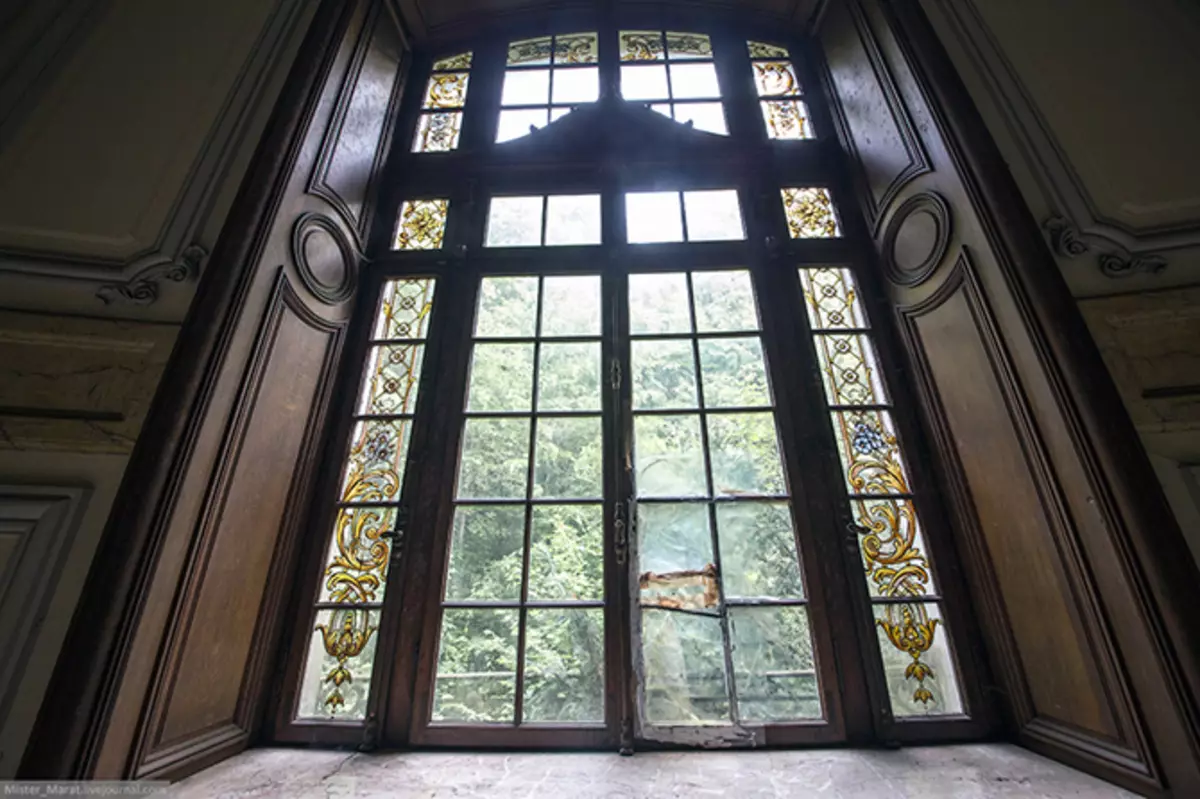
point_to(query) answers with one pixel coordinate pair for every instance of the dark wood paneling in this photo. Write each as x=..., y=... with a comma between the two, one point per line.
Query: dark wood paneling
x=1078, y=572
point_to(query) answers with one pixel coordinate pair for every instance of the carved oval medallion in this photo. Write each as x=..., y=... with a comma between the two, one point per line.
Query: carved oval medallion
x=324, y=258
x=916, y=239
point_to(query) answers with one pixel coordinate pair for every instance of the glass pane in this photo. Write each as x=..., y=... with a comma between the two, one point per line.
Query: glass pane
x=917, y=663
x=644, y=82
x=573, y=219
x=713, y=215
x=460, y=61
x=501, y=378
x=694, y=82
x=684, y=668
x=568, y=458
x=515, y=124
x=422, y=224
x=437, y=132
x=575, y=48
x=675, y=558
x=773, y=664
x=375, y=466
x=774, y=78
x=745, y=454
x=576, y=85
x=662, y=108
x=663, y=374
x=895, y=557
x=810, y=214
x=708, y=117
x=526, y=87
x=688, y=45
x=391, y=381
x=831, y=298
x=724, y=301
x=758, y=551
x=564, y=665
x=446, y=91
x=733, y=373
x=763, y=50
x=507, y=306
x=849, y=369
x=566, y=552
x=571, y=305
x=668, y=456
x=786, y=119
x=558, y=113
x=495, y=459
x=357, y=560
x=641, y=45
x=477, y=662
x=337, y=669
x=404, y=308
x=652, y=216
x=486, y=552
x=569, y=377
x=514, y=222
x=529, y=51
x=869, y=451
x=658, y=303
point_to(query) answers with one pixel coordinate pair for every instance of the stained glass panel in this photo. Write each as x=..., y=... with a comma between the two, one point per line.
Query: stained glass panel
x=357, y=560
x=786, y=119
x=917, y=663
x=530, y=51
x=460, y=61
x=831, y=299
x=866, y=442
x=764, y=50
x=641, y=46
x=422, y=224
x=810, y=213
x=575, y=48
x=393, y=375
x=337, y=670
x=688, y=45
x=849, y=369
x=447, y=90
x=404, y=309
x=895, y=558
x=375, y=465
x=438, y=132
x=775, y=79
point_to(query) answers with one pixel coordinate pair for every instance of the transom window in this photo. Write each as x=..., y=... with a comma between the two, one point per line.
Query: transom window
x=618, y=481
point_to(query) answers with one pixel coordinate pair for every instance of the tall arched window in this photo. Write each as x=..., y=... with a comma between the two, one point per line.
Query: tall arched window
x=621, y=461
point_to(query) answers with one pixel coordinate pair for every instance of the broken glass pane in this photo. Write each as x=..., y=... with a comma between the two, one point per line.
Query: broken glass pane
x=683, y=663
x=773, y=665
x=675, y=556
x=564, y=665
x=476, y=683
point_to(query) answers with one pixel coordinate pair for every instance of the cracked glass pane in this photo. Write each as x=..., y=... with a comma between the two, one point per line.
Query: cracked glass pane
x=684, y=668
x=773, y=664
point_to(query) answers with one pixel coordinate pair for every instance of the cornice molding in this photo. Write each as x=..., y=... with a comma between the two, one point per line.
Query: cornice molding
x=1068, y=241
x=142, y=288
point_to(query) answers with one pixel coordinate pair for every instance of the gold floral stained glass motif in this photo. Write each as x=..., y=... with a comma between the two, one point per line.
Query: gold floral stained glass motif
x=393, y=375
x=404, y=309
x=460, y=61
x=870, y=454
x=894, y=553
x=810, y=213
x=764, y=50
x=438, y=133
x=447, y=90
x=641, y=46
x=576, y=48
x=688, y=45
x=337, y=670
x=775, y=79
x=849, y=370
x=831, y=299
x=356, y=564
x=375, y=466
x=786, y=119
x=530, y=51
x=422, y=224
x=917, y=662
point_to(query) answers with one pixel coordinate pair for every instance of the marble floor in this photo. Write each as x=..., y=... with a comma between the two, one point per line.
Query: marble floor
x=978, y=771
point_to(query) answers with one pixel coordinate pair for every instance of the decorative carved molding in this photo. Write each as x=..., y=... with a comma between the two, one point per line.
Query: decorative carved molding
x=898, y=269
x=1067, y=241
x=312, y=225
x=142, y=288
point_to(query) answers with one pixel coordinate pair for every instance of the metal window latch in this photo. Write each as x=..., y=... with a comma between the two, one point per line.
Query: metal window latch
x=853, y=531
x=614, y=374
x=395, y=536
x=620, y=535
